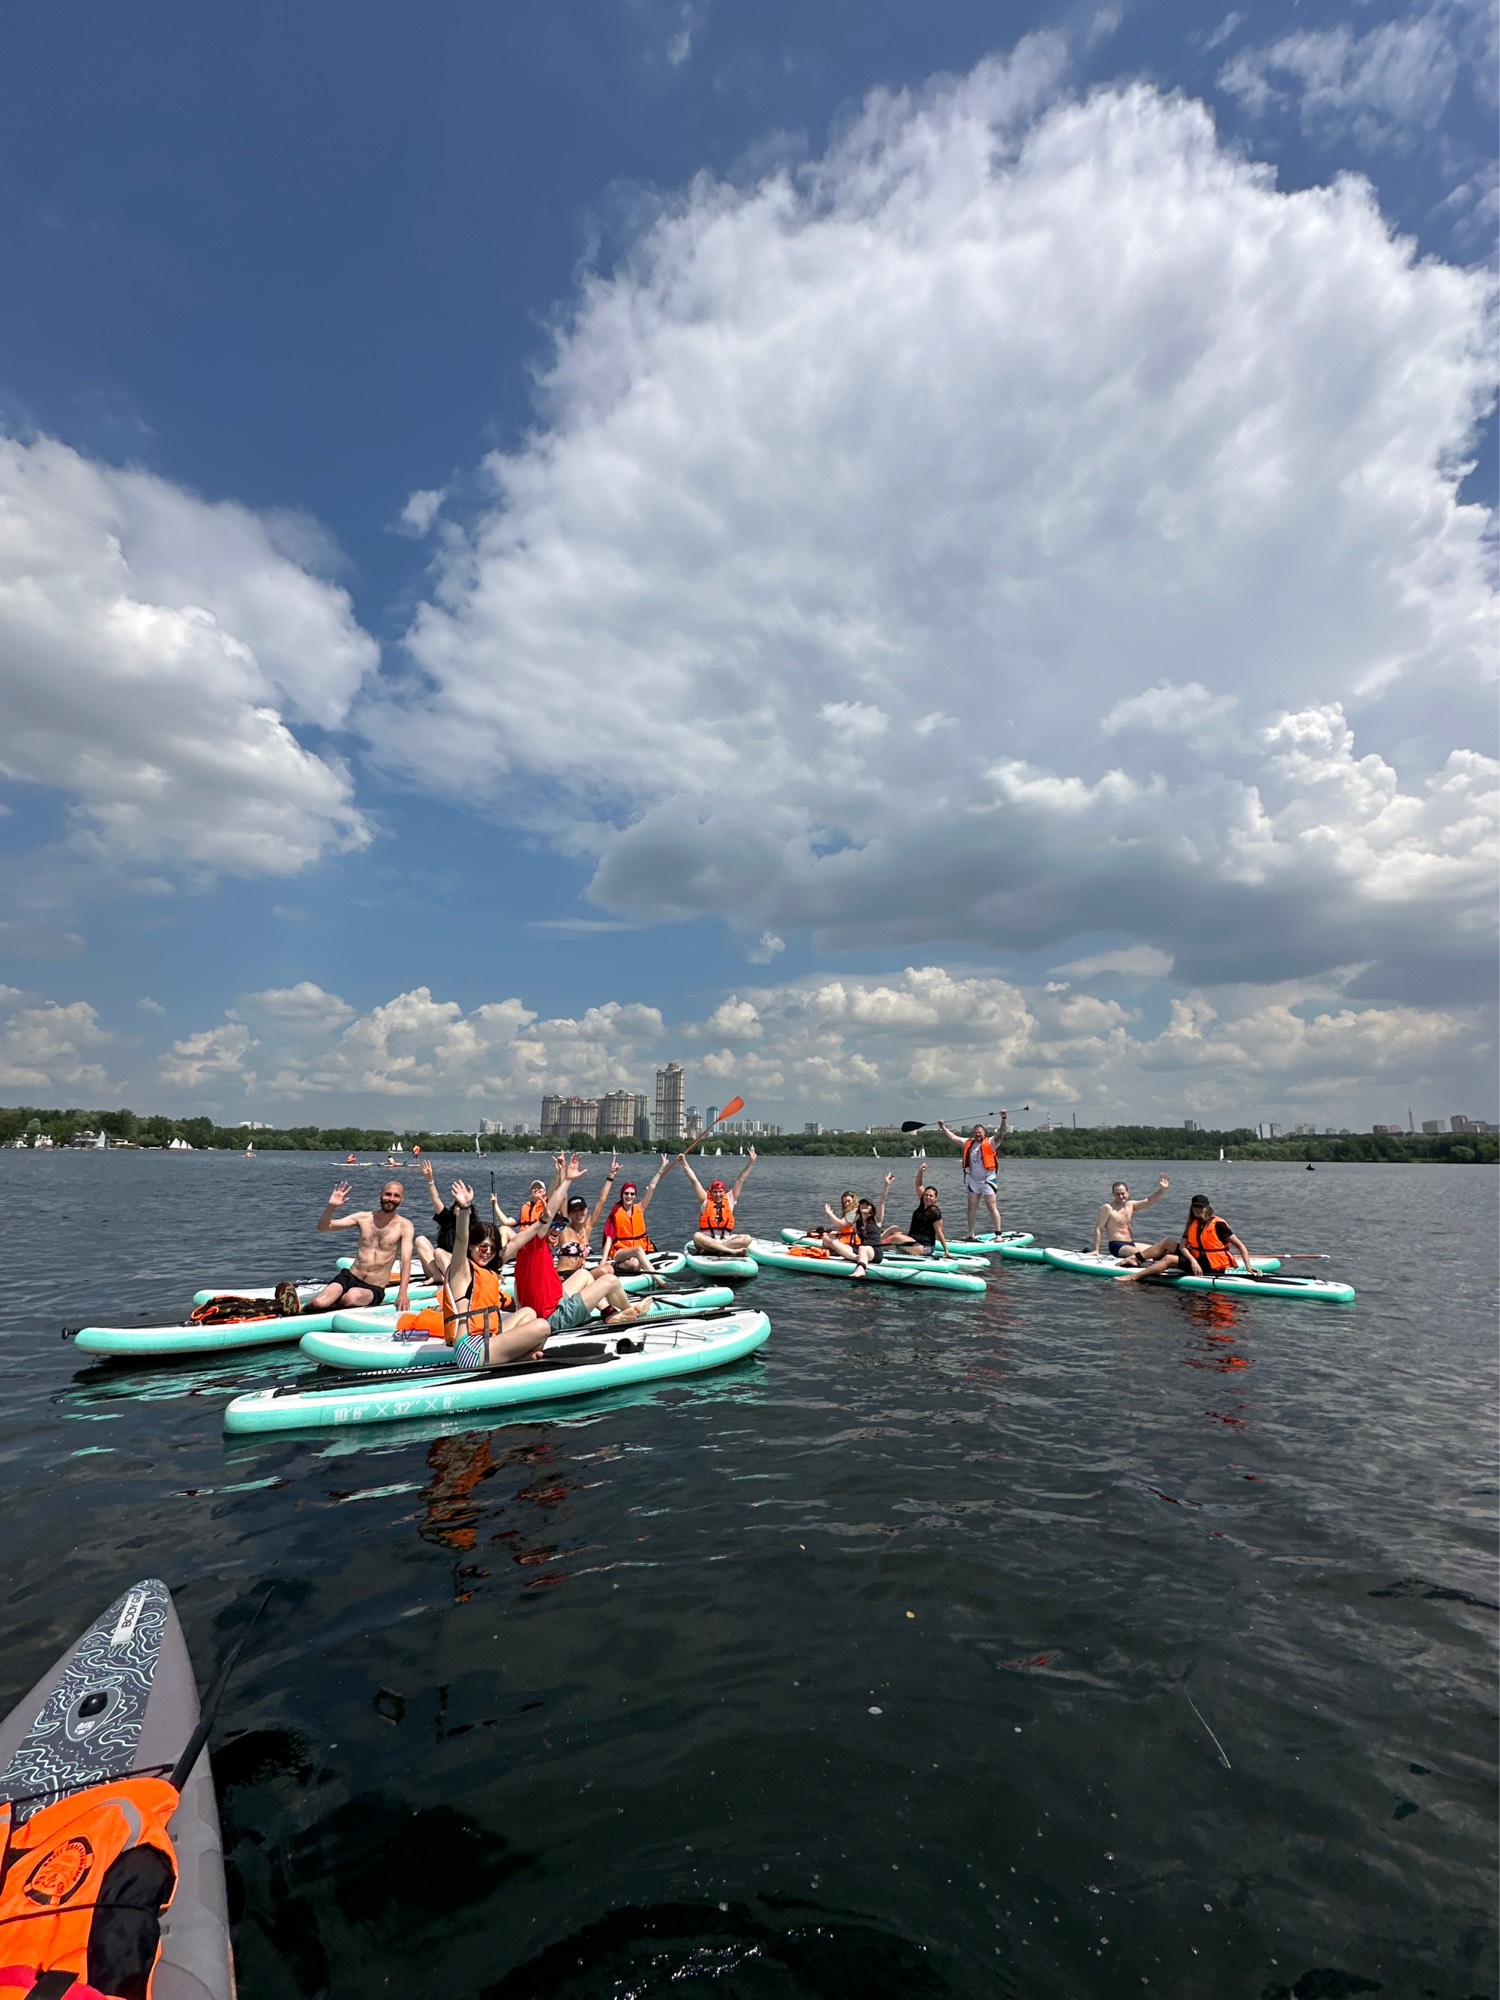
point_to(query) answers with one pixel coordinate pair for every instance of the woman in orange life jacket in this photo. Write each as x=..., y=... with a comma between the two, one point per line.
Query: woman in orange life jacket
x=864, y=1244
x=715, y=1235
x=843, y=1223
x=626, y=1244
x=475, y=1323
x=1207, y=1248
x=981, y=1165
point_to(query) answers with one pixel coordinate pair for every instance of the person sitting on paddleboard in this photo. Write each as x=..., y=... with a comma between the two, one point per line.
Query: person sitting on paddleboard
x=1116, y=1221
x=535, y=1204
x=865, y=1244
x=715, y=1235
x=476, y=1324
x=385, y=1238
x=434, y=1251
x=926, y=1231
x=1207, y=1248
x=981, y=1160
x=573, y=1231
x=626, y=1244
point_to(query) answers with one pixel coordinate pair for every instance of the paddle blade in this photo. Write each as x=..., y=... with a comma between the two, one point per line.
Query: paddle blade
x=913, y=1124
x=731, y=1110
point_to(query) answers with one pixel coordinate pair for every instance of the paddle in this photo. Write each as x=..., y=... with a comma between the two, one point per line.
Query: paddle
x=731, y=1110
x=183, y=1767
x=921, y=1124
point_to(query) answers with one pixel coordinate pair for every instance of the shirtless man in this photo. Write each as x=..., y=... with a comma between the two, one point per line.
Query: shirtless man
x=1116, y=1222
x=981, y=1164
x=716, y=1235
x=926, y=1232
x=385, y=1238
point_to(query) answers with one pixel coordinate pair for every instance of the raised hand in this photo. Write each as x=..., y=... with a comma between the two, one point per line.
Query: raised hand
x=463, y=1194
x=1165, y=1183
x=750, y=1155
x=339, y=1196
x=427, y=1173
x=575, y=1169
x=890, y=1180
x=614, y=1165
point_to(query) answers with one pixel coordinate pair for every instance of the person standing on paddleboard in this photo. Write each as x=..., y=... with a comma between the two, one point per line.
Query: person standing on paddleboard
x=1207, y=1248
x=715, y=1235
x=386, y=1237
x=1116, y=1221
x=981, y=1159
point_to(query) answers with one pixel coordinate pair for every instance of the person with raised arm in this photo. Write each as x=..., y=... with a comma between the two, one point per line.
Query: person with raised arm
x=981, y=1159
x=925, y=1232
x=864, y=1243
x=1115, y=1224
x=626, y=1243
x=573, y=1230
x=1207, y=1248
x=475, y=1323
x=716, y=1235
x=386, y=1237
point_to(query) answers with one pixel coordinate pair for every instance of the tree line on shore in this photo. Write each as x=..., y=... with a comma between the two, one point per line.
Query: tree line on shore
x=1097, y=1142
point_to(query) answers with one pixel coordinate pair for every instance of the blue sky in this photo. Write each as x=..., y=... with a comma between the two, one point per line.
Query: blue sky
x=887, y=553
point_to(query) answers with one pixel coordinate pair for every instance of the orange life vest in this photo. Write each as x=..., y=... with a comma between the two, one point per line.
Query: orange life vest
x=846, y=1227
x=628, y=1228
x=986, y=1153
x=1208, y=1249
x=480, y=1315
x=717, y=1216
x=532, y=1211
x=65, y=1877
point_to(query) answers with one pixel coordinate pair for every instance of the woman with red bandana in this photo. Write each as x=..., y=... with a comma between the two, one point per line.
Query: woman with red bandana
x=626, y=1243
x=715, y=1235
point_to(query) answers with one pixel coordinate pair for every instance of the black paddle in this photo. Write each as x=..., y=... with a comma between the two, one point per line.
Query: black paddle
x=182, y=1769
x=921, y=1124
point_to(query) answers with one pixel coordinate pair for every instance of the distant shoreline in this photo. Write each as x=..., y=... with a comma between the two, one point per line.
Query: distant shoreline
x=1166, y=1144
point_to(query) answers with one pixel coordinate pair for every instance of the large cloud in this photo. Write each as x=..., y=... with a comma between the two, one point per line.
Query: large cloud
x=1021, y=523
x=155, y=650
x=925, y=1039
x=49, y=1049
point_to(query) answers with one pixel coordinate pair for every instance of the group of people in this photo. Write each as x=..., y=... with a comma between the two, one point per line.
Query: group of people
x=1206, y=1247
x=556, y=1287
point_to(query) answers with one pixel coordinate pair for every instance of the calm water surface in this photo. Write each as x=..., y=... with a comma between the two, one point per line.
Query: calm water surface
x=1079, y=1641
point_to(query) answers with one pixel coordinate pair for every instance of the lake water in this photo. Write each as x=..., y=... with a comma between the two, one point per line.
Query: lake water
x=1075, y=1641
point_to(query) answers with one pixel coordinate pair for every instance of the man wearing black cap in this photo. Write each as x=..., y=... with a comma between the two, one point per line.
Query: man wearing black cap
x=715, y=1235
x=572, y=1233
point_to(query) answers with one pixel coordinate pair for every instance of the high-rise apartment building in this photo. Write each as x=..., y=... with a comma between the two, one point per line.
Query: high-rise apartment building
x=570, y=1117
x=623, y=1115
x=671, y=1102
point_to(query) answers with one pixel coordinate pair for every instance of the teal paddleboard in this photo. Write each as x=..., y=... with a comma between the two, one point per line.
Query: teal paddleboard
x=584, y=1367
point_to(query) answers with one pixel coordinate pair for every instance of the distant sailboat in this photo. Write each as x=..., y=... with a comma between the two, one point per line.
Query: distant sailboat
x=1221, y=1156
x=250, y=1151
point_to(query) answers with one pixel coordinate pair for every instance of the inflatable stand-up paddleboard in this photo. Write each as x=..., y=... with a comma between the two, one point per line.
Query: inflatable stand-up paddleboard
x=583, y=1367
x=184, y=1340
x=352, y=1344
x=900, y=1254
x=1266, y=1281
x=710, y=1264
x=115, y=1713
x=916, y=1271
x=1006, y=1244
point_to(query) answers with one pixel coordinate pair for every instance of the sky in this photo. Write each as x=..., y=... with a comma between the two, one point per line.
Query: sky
x=913, y=560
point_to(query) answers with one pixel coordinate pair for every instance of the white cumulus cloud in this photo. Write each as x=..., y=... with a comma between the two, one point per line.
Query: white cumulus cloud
x=51, y=1046
x=156, y=651
x=1053, y=418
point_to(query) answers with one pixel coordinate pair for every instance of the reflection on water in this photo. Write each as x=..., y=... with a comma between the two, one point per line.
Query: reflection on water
x=1073, y=1641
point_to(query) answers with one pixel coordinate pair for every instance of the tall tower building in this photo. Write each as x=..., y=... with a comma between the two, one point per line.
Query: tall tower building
x=551, y=1116
x=618, y=1113
x=671, y=1102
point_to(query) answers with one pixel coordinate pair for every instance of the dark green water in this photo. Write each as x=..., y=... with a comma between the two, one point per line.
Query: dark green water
x=891, y=1663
